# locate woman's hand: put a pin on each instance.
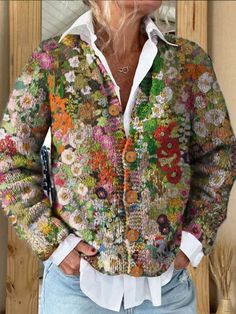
(71, 263)
(181, 260)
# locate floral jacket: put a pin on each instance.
(129, 196)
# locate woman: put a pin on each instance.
(135, 118)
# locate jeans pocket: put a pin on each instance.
(179, 269)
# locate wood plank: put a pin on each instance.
(191, 23)
(22, 267)
(200, 277)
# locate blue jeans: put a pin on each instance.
(61, 294)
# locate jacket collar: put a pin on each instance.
(83, 26)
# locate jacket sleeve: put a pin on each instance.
(212, 150)
(23, 128)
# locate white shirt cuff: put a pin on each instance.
(191, 247)
(64, 248)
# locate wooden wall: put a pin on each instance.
(4, 90)
(22, 267)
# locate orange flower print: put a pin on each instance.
(61, 120)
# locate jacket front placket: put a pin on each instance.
(128, 156)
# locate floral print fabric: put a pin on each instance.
(130, 197)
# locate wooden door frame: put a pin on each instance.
(25, 25)
(22, 286)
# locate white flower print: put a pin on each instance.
(86, 90)
(77, 49)
(74, 62)
(157, 111)
(169, 55)
(70, 76)
(89, 58)
(159, 76)
(23, 130)
(70, 90)
(204, 82)
(75, 221)
(76, 138)
(6, 117)
(68, 156)
(64, 196)
(200, 129)
(215, 116)
(2, 134)
(26, 78)
(76, 169)
(179, 107)
(200, 102)
(172, 73)
(185, 96)
(217, 178)
(82, 189)
(27, 193)
(160, 99)
(172, 192)
(168, 92)
(138, 124)
(27, 145)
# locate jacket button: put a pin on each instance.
(131, 196)
(136, 271)
(113, 110)
(130, 156)
(132, 235)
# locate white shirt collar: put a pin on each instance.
(84, 26)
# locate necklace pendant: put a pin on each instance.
(124, 69)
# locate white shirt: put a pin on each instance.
(96, 285)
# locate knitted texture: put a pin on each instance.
(130, 197)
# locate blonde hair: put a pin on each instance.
(102, 15)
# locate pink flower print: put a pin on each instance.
(102, 68)
(58, 135)
(180, 218)
(27, 101)
(58, 181)
(190, 102)
(185, 193)
(45, 61)
(2, 177)
(50, 45)
(114, 124)
(65, 139)
(107, 129)
(178, 237)
(107, 142)
(12, 103)
(135, 177)
(108, 187)
(104, 90)
(8, 145)
(195, 229)
(97, 133)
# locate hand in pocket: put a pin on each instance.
(71, 263)
(181, 260)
